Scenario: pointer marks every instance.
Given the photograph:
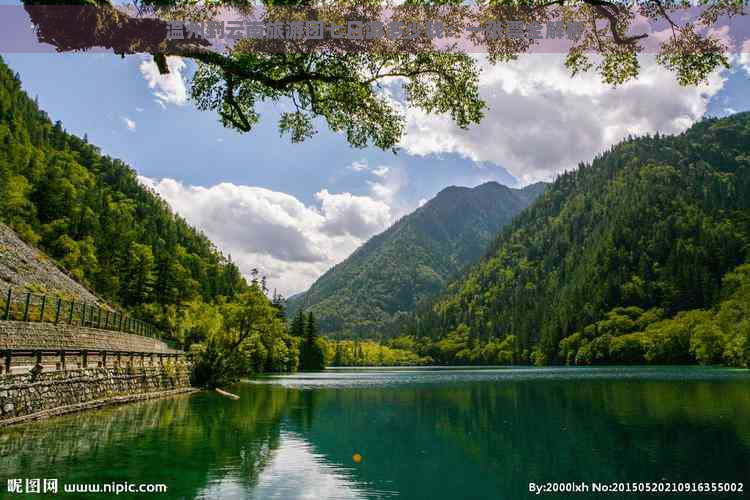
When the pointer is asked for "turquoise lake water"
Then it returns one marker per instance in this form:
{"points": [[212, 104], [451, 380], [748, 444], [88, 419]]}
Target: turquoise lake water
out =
{"points": [[407, 433]]}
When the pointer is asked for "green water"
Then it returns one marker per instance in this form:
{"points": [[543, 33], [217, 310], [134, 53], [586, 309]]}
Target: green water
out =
{"points": [[421, 433]]}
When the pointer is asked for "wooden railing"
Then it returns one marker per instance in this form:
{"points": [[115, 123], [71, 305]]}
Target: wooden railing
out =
{"points": [[34, 307]]}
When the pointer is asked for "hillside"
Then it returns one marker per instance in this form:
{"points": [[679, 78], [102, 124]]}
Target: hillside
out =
{"points": [[90, 214], [411, 261], [24, 268], [654, 227]]}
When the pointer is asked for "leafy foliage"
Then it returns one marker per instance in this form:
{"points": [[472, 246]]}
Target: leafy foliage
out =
{"points": [[241, 337], [341, 80], [396, 352], [634, 336]]}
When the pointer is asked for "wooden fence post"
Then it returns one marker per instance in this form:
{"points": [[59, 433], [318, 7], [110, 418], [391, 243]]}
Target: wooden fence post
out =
{"points": [[26, 307], [7, 303], [57, 310], [44, 306]]}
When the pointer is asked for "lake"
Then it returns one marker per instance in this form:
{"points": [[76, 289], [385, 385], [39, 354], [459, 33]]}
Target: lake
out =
{"points": [[432, 433]]}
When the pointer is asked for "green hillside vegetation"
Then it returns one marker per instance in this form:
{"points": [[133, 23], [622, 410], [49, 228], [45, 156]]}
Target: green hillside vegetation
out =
{"points": [[634, 336], [89, 212], [382, 281], [372, 353], [637, 257]]}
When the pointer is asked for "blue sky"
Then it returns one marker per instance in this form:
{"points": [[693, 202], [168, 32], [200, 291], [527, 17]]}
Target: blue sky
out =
{"points": [[95, 93], [294, 210]]}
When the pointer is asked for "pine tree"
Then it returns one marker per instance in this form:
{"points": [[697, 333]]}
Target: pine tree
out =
{"points": [[312, 355], [298, 325]]}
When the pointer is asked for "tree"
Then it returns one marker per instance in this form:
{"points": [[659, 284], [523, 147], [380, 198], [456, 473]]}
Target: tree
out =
{"points": [[339, 81], [707, 343], [312, 354], [298, 325], [279, 302], [139, 276], [249, 340]]}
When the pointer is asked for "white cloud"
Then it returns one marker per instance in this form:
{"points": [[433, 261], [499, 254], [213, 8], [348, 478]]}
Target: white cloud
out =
{"points": [[169, 88], [140, 110], [744, 59], [359, 166], [381, 171], [541, 121], [130, 124], [346, 214], [391, 180], [291, 243], [297, 471]]}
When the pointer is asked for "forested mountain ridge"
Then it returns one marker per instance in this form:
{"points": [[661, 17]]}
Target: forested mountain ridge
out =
{"points": [[651, 228], [412, 260], [90, 213]]}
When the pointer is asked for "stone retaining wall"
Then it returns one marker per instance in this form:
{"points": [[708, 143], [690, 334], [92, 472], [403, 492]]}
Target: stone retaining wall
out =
{"points": [[25, 336], [28, 396]]}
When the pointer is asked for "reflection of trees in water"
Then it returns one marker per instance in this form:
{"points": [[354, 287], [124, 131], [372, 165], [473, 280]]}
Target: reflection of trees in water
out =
{"points": [[81, 433], [183, 442], [499, 436], [439, 441]]}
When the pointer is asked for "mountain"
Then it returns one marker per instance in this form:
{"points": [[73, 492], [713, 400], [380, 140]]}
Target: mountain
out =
{"points": [[627, 245], [90, 214], [411, 261]]}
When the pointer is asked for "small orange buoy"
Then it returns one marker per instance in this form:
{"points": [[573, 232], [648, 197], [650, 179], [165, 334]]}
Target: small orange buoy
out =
{"points": [[357, 458]]}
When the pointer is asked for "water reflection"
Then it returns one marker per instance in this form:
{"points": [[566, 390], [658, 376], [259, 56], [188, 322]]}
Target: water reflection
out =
{"points": [[420, 433], [298, 471]]}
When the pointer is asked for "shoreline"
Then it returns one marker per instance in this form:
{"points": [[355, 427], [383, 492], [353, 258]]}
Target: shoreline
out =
{"points": [[94, 405]]}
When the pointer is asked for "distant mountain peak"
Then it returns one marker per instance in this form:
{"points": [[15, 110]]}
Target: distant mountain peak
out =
{"points": [[412, 260]]}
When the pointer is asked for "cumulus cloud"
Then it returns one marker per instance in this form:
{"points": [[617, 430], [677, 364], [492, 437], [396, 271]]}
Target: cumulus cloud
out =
{"points": [[130, 124], [381, 171], [541, 121], [744, 59], [169, 88], [346, 214], [293, 244], [359, 166], [391, 180]]}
